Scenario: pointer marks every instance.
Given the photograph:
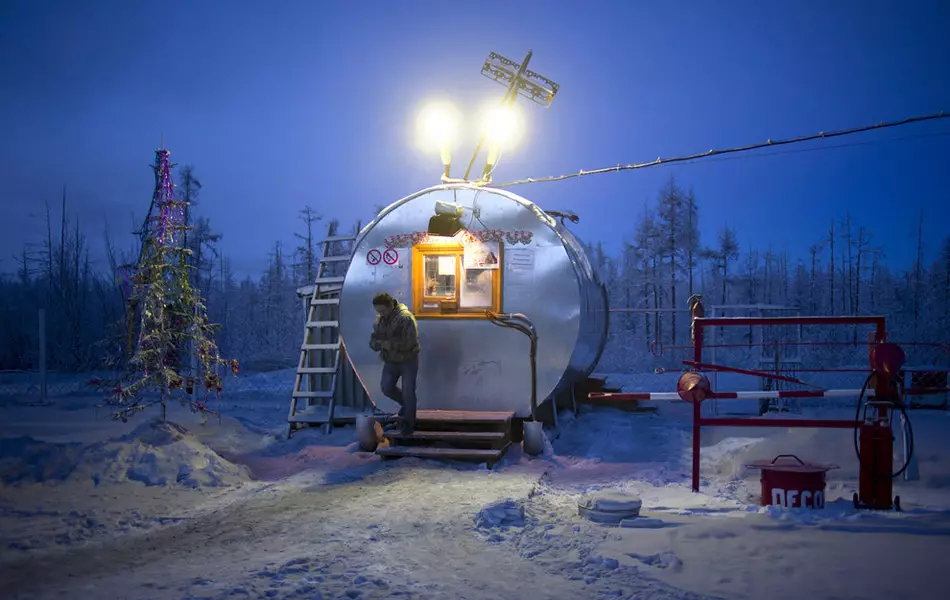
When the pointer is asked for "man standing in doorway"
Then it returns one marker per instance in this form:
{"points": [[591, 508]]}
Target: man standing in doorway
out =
{"points": [[396, 337]]}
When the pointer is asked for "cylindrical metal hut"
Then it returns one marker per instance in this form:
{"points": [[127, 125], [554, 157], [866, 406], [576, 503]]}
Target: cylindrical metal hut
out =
{"points": [[452, 252]]}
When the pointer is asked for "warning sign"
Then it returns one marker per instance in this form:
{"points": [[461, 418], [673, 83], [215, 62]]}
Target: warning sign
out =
{"points": [[390, 256], [373, 257]]}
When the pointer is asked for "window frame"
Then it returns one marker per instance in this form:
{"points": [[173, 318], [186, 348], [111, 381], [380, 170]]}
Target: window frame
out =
{"points": [[420, 251]]}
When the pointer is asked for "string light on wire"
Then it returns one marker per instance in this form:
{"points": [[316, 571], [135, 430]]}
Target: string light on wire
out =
{"points": [[711, 153]]}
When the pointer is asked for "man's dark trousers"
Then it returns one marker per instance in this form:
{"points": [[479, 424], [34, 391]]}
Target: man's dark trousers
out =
{"points": [[405, 397]]}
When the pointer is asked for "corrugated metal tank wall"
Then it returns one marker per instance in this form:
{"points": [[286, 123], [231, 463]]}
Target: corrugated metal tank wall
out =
{"points": [[592, 336]]}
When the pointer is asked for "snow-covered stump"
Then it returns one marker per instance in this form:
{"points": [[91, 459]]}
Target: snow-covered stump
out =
{"points": [[533, 443], [368, 433]]}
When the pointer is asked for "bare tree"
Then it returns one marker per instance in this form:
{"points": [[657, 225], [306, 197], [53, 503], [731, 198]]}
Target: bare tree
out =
{"points": [[847, 267], [831, 245], [918, 269], [203, 244], [813, 251], [306, 251], [672, 209], [691, 239], [726, 250], [945, 256], [751, 275]]}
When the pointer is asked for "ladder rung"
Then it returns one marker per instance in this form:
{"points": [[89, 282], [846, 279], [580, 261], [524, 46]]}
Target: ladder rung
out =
{"points": [[325, 301], [334, 258], [316, 370], [317, 324], [319, 394], [334, 346], [329, 280], [340, 238]]}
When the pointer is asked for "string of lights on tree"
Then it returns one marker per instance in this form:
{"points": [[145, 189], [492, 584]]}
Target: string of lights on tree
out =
{"points": [[170, 316]]}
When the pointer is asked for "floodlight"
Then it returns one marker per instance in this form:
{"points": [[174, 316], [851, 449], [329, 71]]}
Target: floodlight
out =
{"points": [[438, 128], [503, 126]]}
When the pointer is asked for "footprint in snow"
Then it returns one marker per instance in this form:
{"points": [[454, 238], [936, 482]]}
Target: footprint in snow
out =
{"points": [[663, 560]]}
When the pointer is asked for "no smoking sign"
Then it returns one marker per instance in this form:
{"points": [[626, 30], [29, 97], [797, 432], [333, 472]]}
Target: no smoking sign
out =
{"points": [[390, 257]]}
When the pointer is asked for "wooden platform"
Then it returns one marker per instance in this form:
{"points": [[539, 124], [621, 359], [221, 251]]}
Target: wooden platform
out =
{"points": [[478, 436]]}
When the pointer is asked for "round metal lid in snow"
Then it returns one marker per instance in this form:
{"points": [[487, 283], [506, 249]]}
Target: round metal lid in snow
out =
{"points": [[609, 506]]}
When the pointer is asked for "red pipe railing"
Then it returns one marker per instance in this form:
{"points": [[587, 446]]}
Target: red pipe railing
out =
{"points": [[699, 323]]}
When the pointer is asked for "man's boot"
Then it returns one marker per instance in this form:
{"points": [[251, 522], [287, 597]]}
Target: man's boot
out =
{"points": [[394, 426]]}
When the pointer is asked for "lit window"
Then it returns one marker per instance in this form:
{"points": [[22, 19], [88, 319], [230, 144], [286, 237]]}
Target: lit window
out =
{"points": [[443, 288], [440, 272]]}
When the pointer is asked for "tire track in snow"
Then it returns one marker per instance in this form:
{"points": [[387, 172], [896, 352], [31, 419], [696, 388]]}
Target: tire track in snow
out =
{"points": [[405, 529]]}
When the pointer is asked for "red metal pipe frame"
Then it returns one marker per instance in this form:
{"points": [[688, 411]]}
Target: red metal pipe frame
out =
{"points": [[759, 422], [765, 374], [877, 321], [697, 406], [767, 344], [880, 336], [635, 396], [864, 370]]}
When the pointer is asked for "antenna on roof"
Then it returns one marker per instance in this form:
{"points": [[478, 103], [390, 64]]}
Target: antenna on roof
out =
{"points": [[519, 81]]}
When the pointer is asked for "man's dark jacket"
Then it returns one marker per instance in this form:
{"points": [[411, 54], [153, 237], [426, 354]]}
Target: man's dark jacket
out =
{"points": [[401, 330]]}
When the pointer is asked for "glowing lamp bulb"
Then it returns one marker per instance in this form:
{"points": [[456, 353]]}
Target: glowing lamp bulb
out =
{"points": [[438, 128], [503, 126]]}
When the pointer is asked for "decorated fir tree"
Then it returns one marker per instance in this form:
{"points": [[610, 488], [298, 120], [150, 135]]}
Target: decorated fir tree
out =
{"points": [[168, 315]]}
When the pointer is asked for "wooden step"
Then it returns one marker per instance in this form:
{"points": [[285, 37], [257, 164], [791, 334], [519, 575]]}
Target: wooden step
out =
{"points": [[449, 436], [329, 280], [339, 238], [480, 455], [326, 259], [324, 301], [463, 416], [316, 370]]}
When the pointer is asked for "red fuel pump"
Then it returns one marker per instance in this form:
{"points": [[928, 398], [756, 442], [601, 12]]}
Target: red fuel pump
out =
{"points": [[874, 436]]}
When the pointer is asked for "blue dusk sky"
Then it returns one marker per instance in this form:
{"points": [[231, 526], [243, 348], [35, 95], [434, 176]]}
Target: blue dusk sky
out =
{"points": [[287, 103]]}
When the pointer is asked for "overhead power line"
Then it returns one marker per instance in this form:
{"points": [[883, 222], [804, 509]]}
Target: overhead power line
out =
{"points": [[922, 136], [767, 144]]}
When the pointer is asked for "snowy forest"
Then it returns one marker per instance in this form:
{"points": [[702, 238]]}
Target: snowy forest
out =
{"points": [[664, 261]]}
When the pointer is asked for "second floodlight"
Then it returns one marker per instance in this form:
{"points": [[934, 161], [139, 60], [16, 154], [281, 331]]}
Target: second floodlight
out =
{"points": [[438, 126]]}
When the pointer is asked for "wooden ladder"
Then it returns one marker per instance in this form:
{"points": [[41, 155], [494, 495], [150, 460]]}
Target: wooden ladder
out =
{"points": [[322, 348]]}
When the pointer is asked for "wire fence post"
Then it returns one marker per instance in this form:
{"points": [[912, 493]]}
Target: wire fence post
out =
{"points": [[42, 357]]}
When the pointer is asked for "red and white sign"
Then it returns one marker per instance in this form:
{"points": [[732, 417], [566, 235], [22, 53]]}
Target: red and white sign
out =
{"points": [[373, 257], [390, 256], [798, 498]]}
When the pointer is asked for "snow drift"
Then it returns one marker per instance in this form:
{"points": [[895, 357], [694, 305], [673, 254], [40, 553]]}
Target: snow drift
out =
{"points": [[155, 454]]}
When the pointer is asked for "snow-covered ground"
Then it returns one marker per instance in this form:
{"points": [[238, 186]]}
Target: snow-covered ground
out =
{"points": [[92, 508]]}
